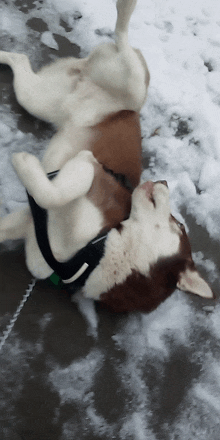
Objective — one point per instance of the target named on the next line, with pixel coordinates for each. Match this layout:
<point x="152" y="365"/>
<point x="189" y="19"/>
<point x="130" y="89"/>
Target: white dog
<point x="94" y="105"/>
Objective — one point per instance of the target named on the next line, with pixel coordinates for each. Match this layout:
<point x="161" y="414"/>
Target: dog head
<point x="147" y="258"/>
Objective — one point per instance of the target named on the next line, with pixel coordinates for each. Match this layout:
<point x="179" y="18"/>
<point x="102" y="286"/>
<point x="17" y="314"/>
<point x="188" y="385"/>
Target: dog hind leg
<point x="42" y="93"/>
<point x="136" y="74"/>
<point x="26" y="82"/>
<point x="125" y="9"/>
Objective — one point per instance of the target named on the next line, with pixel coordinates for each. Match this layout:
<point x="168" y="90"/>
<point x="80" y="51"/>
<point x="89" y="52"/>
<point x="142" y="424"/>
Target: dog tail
<point x="125" y="9"/>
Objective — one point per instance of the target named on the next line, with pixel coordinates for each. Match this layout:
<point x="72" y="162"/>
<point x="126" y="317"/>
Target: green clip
<point x="55" y="279"/>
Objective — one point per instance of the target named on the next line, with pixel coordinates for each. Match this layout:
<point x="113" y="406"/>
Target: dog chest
<point x="77" y="223"/>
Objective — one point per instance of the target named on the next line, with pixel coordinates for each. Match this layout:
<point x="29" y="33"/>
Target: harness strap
<point x="77" y="269"/>
<point x="82" y="263"/>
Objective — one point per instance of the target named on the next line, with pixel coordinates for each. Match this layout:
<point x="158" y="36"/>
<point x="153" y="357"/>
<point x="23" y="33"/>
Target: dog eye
<point x="180" y="225"/>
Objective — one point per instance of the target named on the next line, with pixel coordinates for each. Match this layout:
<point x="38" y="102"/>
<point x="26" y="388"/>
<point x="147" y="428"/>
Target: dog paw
<point x="3" y="57"/>
<point x="24" y="161"/>
<point x="11" y="58"/>
<point x="25" y="165"/>
<point x="86" y="156"/>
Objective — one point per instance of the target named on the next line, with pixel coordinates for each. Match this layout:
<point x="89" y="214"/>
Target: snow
<point x="181" y="138"/>
<point x="172" y="317"/>
<point x="12" y="23"/>
<point x="74" y="382"/>
<point x="48" y="40"/>
<point x="136" y="428"/>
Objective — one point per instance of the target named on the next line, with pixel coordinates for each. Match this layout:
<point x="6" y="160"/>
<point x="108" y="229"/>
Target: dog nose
<point x="164" y="182"/>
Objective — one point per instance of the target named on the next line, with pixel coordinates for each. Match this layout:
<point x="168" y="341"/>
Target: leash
<point x="14" y="318"/>
<point x="73" y="273"/>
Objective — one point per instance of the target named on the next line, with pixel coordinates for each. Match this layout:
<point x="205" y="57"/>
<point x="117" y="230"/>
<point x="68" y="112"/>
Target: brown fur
<point x="144" y="294"/>
<point x="111" y="198"/>
<point x="117" y="147"/>
<point x="118" y="144"/>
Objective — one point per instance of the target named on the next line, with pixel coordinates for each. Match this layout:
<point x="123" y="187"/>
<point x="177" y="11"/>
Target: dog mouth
<point x="149" y="187"/>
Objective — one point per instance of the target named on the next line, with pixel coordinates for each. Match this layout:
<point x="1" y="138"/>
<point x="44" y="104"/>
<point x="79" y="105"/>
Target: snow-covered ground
<point x="180" y="41"/>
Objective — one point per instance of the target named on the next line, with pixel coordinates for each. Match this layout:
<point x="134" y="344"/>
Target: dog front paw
<point x="11" y="58"/>
<point x="24" y="162"/>
<point x="4" y="57"/>
<point x="87" y="156"/>
<point x="26" y="166"/>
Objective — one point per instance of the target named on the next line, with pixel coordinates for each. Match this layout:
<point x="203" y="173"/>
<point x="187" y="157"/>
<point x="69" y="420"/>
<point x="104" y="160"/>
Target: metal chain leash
<point x="14" y="318"/>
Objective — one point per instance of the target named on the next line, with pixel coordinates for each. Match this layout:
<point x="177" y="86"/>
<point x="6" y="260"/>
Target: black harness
<point x="77" y="269"/>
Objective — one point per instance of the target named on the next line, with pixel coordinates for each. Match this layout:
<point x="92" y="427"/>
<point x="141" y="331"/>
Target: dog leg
<point x="66" y="144"/>
<point x="14" y="225"/>
<point x="118" y="68"/>
<point x="125" y="9"/>
<point x="74" y="179"/>
<point x="42" y="93"/>
<point x="26" y="82"/>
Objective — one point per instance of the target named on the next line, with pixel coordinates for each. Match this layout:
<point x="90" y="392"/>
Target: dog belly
<point x="89" y="104"/>
<point x="65" y="145"/>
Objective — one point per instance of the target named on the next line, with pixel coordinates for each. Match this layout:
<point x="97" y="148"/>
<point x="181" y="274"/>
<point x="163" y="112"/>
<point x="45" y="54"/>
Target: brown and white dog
<point x="94" y="104"/>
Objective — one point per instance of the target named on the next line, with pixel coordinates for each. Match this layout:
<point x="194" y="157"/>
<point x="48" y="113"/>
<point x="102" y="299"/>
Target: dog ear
<point x="191" y="281"/>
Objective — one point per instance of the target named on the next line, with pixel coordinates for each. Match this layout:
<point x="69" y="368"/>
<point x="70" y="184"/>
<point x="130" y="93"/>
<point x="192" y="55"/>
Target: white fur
<point x="147" y="235"/>
<point x="74" y="95"/>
